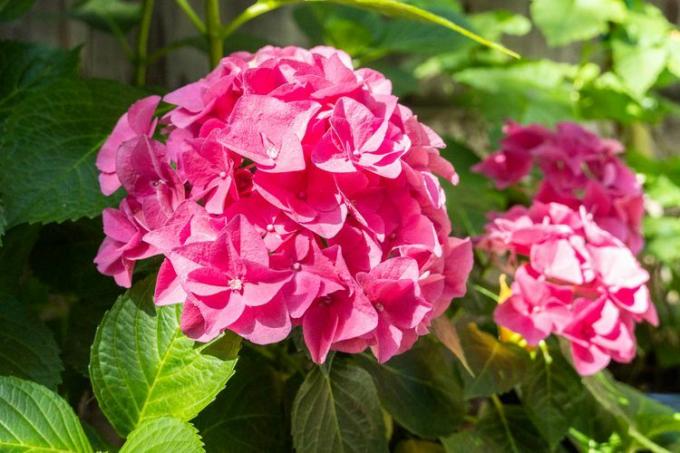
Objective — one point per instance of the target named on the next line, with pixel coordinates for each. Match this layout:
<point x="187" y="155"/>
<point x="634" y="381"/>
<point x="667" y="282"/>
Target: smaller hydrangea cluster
<point x="579" y="168"/>
<point x="573" y="276"/>
<point x="286" y="189"/>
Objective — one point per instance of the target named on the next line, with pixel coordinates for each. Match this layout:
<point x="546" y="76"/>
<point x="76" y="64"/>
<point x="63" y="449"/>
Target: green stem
<point x="192" y="15"/>
<point x="143" y="43"/>
<point x="214" y="31"/>
<point x="250" y="13"/>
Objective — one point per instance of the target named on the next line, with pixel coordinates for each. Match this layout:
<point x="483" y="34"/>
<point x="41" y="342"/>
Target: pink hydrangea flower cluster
<point x="573" y="279"/>
<point x="579" y="168"/>
<point x="286" y="189"/>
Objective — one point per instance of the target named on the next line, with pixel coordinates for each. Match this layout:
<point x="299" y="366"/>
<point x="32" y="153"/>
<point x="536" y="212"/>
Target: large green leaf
<point x="391" y="8"/>
<point x="25" y="66"/>
<point x="497" y="366"/>
<point x="638" y="66"/>
<point x="552" y="395"/>
<point x="34" y="419"/>
<point x="48" y="147"/>
<point x="646" y="421"/>
<point x="27" y="347"/>
<point x="13" y="9"/>
<point x="503" y="428"/>
<point x="162" y="435"/>
<point x="565" y="21"/>
<point x="247" y="417"/>
<point x="338" y="411"/>
<point x="420" y="389"/>
<point x="143" y="367"/>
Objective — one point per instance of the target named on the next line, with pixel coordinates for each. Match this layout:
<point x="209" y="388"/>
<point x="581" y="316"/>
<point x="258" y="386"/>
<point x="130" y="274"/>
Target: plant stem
<point x="191" y="14"/>
<point x="143" y="43"/>
<point x="214" y="31"/>
<point x="250" y="13"/>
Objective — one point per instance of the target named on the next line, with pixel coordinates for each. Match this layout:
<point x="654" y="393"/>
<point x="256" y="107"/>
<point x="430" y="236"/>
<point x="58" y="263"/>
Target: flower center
<point x="379" y="306"/>
<point x="297" y="266"/>
<point x="235" y="284"/>
<point x="223" y="174"/>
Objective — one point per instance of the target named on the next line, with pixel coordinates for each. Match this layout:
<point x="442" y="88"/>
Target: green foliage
<point x="109" y="15"/>
<point x="36" y="419"/>
<point x="24" y="67"/>
<point x="35" y="356"/>
<point x="49" y="143"/>
<point x="552" y="395"/>
<point x="420" y="389"/>
<point x="163" y="434"/>
<point x="13" y="9"/>
<point x="143" y="367"/>
<point x="503" y="428"/>
<point x="566" y="21"/>
<point x="338" y="410"/>
<point x="646" y="421"/>
<point x="247" y="417"/>
<point x="496" y="366"/>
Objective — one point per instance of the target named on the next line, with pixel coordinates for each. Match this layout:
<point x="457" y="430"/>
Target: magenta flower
<point x="287" y="189"/>
<point x="579" y="168"/>
<point x="577" y="281"/>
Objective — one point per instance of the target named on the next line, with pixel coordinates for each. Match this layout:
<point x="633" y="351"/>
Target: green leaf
<point x="143" y="367"/>
<point x="420" y="389"/>
<point x="494" y="24"/>
<point x="638" y="66"/>
<point x="663" y="238"/>
<point x="499" y="429"/>
<point x="48" y="147"/>
<point x="37" y="420"/>
<point x="26" y="66"/>
<point x="13" y="9"/>
<point x="533" y="92"/>
<point x="552" y="394"/>
<point x="645" y="420"/>
<point x="14" y="255"/>
<point x="27" y="347"/>
<point x="162" y="435"/>
<point x="338" y="411"/>
<point x="247" y="417"/>
<point x="108" y="15"/>
<point x="391" y="8"/>
<point x="565" y="21"/>
<point x="497" y="366"/>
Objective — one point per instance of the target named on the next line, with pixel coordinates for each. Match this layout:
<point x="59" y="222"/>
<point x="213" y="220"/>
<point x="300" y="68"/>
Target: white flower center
<point x="235" y="284"/>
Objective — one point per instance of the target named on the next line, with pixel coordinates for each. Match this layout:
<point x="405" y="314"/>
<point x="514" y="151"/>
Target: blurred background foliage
<point x="613" y="64"/>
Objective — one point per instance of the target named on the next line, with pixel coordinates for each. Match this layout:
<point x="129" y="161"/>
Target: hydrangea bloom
<point x="579" y="168"/>
<point x="287" y="189"/>
<point x="574" y="279"/>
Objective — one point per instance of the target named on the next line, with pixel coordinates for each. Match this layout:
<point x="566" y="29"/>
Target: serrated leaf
<point x="497" y="366"/>
<point x="37" y="420"/>
<point x="552" y="394"/>
<point x="143" y="367"/>
<point x="33" y="356"/>
<point x="247" y="417"/>
<point x="338" y="411"/>
<point x="48" y="147"/>
<point x="504" y="429"/>
<point x="25" y="66"/>
<point x="565" y="21"/>
<point x="420" y="389"/>
<point x="108" y="15"/>
<point x="162" y="435"/>
<point x="13" y="9"/>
